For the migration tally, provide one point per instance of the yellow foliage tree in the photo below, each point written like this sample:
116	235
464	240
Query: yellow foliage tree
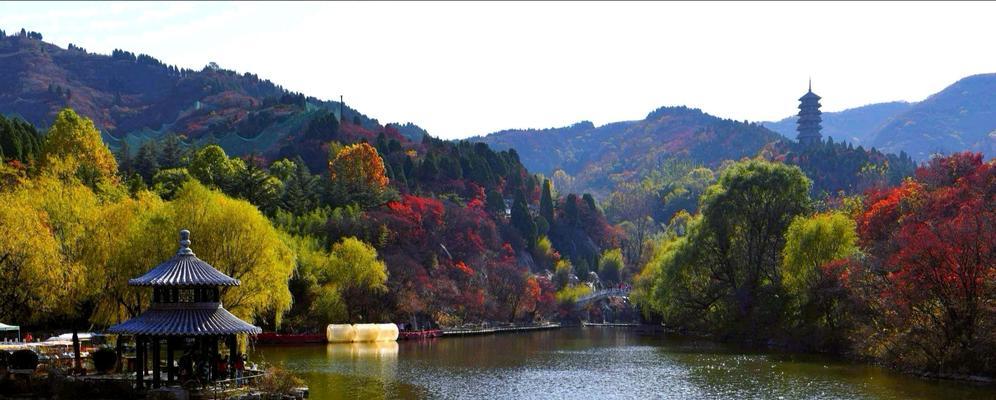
67	253
234	237
46	224
34	280
73	144
133	235
810	243
339	279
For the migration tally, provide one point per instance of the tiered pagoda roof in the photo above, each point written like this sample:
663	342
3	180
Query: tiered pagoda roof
809	118
193	319
187	301
184	270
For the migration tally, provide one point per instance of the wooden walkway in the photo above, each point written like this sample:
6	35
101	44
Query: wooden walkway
615	324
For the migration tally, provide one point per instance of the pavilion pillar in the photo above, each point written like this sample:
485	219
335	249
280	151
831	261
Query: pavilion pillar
119	351
156	378
139	363
233	342
146	344
169	361
214	356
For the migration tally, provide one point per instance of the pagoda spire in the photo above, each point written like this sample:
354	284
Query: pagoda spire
809	118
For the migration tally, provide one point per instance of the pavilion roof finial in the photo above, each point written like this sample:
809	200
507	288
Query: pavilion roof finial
185	244
810	84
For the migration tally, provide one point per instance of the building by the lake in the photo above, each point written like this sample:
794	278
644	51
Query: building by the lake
186	317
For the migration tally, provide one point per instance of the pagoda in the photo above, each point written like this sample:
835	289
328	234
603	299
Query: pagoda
809	118
186	314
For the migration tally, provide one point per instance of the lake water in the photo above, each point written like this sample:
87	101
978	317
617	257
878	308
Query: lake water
591	363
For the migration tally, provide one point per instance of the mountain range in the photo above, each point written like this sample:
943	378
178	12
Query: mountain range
135	98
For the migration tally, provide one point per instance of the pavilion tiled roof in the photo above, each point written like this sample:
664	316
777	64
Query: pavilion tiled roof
185	319
184	269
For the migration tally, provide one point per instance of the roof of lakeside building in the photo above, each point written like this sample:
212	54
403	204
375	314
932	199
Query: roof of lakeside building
184	269
185	319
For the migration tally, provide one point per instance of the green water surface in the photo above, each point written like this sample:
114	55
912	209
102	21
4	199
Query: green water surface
591	363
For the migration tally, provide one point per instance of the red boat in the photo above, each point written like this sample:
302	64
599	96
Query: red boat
424	334
289	338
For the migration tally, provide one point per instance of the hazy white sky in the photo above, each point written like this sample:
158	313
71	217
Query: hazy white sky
461	69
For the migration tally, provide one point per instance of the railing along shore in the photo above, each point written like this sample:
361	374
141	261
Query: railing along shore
488	329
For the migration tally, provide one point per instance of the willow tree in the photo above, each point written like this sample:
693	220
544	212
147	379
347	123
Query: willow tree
358	273
332	283
34	279
69	214
816	299
237	239
133	234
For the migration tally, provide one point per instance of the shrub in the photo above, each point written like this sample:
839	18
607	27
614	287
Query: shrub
24	359
277	380
104	359
571	294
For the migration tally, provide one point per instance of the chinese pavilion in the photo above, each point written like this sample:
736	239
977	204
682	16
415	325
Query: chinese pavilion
809	118
186	314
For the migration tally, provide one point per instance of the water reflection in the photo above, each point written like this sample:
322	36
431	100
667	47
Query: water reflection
591	363
377	350
362	370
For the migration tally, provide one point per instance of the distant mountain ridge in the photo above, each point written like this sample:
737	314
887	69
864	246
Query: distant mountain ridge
855	125
601	157
961	117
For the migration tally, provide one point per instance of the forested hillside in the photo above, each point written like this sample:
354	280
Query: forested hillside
133	98
351	220
430	232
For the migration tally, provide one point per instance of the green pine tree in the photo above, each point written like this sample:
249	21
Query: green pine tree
522	221
546	202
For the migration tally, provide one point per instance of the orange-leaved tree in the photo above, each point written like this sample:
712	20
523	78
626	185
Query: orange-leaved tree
358	175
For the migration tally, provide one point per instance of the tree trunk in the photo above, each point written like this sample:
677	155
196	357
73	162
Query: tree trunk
77	361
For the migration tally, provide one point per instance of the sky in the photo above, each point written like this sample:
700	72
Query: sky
464	69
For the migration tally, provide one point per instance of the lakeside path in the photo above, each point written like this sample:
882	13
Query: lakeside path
490	330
